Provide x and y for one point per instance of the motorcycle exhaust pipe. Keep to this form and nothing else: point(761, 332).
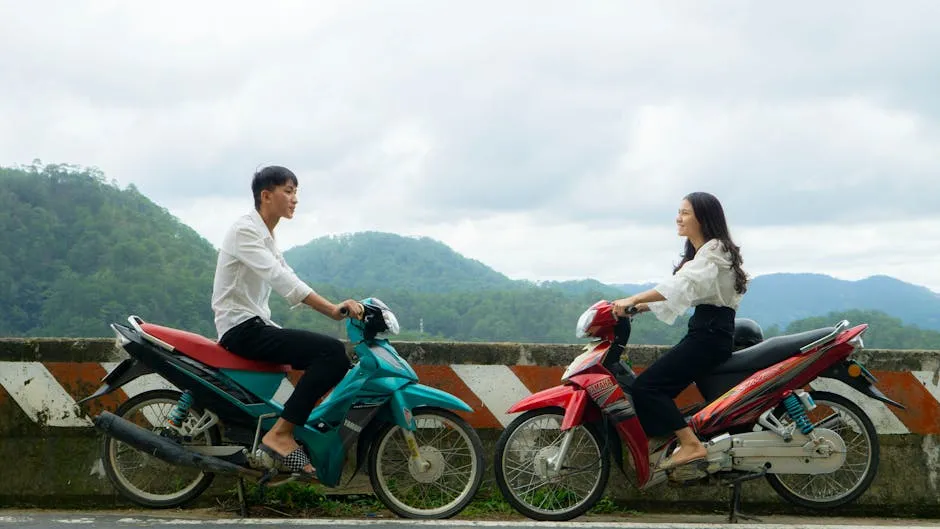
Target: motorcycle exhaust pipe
point(165, 449)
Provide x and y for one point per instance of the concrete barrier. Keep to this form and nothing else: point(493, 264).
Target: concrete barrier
point(50, 453)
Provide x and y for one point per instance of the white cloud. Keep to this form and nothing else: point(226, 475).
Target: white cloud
point(546, 139)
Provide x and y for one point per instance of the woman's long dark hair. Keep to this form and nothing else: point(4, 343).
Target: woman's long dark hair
point(711, 217)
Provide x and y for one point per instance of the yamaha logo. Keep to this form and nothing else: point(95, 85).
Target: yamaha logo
point(601, 385)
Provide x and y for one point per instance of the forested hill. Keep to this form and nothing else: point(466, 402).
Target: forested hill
point(372, 260)
point(77, 253)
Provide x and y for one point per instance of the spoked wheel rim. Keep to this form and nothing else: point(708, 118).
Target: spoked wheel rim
point(837, 485)
point(146, 476)
point(452, 473)
point(530, 476)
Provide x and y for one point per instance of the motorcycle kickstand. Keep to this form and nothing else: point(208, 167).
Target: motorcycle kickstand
point(735, 508)
point(242, 499)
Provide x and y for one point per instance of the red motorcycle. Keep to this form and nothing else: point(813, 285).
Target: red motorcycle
point(817, 449)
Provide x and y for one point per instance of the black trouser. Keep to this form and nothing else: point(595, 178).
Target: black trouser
point(322, 358)
point(707, 345)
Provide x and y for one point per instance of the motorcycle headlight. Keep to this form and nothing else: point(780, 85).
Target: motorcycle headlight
point(585, 322)
point(391, 322)
point(388, 317)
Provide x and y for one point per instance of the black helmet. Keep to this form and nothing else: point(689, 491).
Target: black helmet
point(746, 333)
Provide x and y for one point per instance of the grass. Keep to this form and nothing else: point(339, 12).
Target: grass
point(489, 503)
point(298, 500)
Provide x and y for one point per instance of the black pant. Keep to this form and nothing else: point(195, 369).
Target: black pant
point(707, 345)
point(323, 358)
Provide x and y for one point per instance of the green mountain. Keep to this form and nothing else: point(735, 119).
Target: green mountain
point(383, 262)
point(779, 299)
point(883, 331)
point(77, 253)
point(373, 260)
point(593, 286)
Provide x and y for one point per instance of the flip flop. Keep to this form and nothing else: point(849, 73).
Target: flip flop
point(669, 464)
point(293, 462)
point(688, 472)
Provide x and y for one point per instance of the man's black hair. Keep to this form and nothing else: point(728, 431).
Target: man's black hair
point(268, 178)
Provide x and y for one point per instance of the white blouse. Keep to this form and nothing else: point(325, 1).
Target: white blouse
point(708, 279)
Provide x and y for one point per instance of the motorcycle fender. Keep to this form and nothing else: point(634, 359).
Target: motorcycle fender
point(551, 397)
point(864, 382)
point(412, 396)
point(415, 395)
point(574, 411)
point(570, 398)
point(128, 370)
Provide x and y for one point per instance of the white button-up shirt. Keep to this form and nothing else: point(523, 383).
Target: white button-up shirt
point(248, 267)
point(707, 279)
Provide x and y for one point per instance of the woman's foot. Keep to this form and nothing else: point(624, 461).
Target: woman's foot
point(283, 443)
point(685, 454)
point(690, 449)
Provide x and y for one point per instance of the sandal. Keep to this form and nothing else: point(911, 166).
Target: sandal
point(293, 462)
point(669, 464)
point(689, 471)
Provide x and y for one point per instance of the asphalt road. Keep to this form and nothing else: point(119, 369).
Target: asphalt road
point(72, 520)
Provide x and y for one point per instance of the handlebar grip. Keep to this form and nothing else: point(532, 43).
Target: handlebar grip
point(344, 311)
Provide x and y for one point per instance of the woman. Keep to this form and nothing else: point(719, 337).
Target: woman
point(709, 277)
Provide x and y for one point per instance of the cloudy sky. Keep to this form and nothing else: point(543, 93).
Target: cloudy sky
point(546, 139)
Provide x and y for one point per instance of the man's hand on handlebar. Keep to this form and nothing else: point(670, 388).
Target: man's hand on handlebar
point(350, 308)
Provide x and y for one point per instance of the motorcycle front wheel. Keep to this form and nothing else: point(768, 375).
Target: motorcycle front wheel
point(445, 484)
point(526, 474)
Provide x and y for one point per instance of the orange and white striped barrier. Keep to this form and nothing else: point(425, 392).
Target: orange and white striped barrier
point(46, 392)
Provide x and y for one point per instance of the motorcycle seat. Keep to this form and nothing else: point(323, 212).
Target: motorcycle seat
point(208, 351)
point(770, 351)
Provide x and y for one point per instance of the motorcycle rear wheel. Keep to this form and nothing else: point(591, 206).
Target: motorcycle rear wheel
point(151, 482)
point(845, 485)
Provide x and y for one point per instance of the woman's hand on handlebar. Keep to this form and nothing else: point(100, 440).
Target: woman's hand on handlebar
point(628, 307)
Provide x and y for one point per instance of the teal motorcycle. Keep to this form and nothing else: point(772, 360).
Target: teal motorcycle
point(163, 447)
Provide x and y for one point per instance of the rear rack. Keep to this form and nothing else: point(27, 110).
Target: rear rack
point(839, 328)
point(135, 322)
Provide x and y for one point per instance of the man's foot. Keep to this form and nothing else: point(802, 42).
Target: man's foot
point(284, 445)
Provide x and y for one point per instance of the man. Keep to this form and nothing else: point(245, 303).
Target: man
point(249, 266)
